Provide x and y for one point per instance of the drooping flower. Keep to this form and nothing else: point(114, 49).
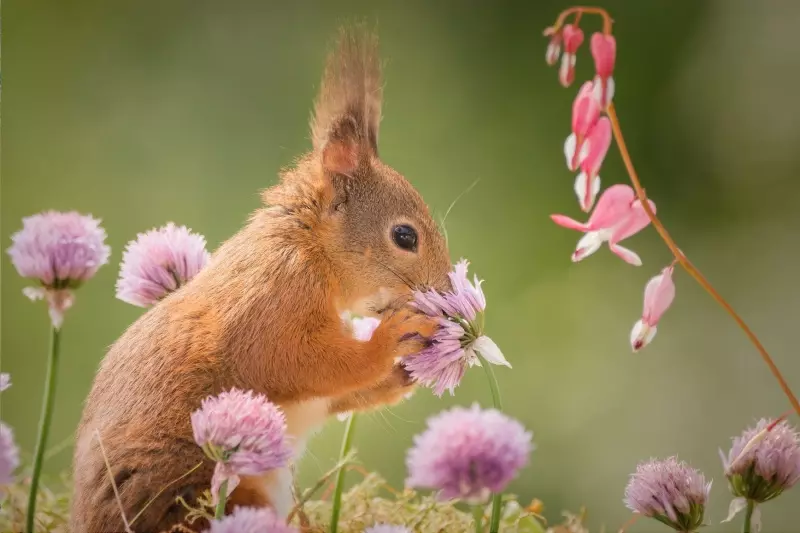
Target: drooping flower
point(468, 453)
point(9, 455)
point(658, 296)
point(5, 381)
point(244, 433)
point(604, 51)
point(762, 463)
point(61, 251)
point(250, 520)
point(387, 528)
point(670, 491)
point(617, 216)
point(460, 337)
point(573, 39)
point(587, 184)
point(553, 47)
point(158, 262)
point(585, 114)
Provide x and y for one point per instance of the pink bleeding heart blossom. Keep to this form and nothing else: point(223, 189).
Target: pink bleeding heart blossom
point(62, 251)
point(158, 262)
point(658, 296)
point(468, 453)
point(617, 216)
point(604, 51)
point(460, 337)
point(585, 114)
point(553, 47)
point(250, 520)
point(587, 183)
point(244, 433)
point(573, 38)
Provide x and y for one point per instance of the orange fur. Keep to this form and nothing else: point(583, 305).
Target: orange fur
point(265, 315)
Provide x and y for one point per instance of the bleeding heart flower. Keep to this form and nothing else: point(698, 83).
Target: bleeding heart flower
point(553, 47)
point(573, 38)
point(658, 296)
point(587, 184)
point(618, 215)
point(604, 51)
point(585, 113)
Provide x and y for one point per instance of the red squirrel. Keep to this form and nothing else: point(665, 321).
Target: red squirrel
point(341, 232)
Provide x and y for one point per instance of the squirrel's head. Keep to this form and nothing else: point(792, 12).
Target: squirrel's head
point(371, 223)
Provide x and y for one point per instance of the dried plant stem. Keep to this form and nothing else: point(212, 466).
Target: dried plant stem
point(45, 420)
point(688, 266)
point(497, 504)
point(347, 443)
point(662, 231)
point(309, 492)
point(113, 483)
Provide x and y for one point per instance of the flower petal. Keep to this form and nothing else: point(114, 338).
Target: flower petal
point(737, 505)
point(755, 520)
point(629, 256)
point(586, 191)
point(222, 473)
point(641, 335)
point(588, 245)
point(490, 351)
point(570, 145)
point(570, 223)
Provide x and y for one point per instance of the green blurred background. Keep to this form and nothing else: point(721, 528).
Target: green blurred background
point(145, 112)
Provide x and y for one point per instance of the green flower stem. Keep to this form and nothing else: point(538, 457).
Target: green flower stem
point(477, 515)
point(223, 499)
point(497, 504)
point(748, 516)
point(45, 419)
point(347, 442)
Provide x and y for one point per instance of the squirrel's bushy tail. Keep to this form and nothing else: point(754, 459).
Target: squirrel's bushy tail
point(351, 88)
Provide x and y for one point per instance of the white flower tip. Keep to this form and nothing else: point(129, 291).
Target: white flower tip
point(641, 335)
point(570, 145)
point(490, 351)
point(737, 505)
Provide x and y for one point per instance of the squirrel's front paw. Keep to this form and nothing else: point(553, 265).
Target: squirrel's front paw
point(409, 330)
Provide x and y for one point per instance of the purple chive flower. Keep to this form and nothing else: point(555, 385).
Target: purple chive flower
point(158, 262)
point(387, 528)
point(61, 250)
point(763, 462)
point(250, 520)
point(468, 453)
point(9, 455)
point(459, 340)
point(5, 381)
point(244, 433)
point(670, 491)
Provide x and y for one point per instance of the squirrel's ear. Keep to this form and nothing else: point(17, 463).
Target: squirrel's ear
point(343, 148)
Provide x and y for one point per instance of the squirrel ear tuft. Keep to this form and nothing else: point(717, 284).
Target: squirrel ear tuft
point(343, 149)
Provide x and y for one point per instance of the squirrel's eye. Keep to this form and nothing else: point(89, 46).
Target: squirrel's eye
point(405, 237)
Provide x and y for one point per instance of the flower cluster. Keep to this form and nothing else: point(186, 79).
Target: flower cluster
point(158, 262)
point(619, 214)
point(244, 433)
point(250, 520)
point(468, 453)
point(61, 251)
point(762, 463)
point(670, 491)
point(460, 338)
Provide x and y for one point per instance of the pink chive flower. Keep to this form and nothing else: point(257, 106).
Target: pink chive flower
point(5, 381)
point(250, 520)
point(604, 51)
point(658, 296)
point(9, 455)
point(670, 491)
point(61, 250)
point(617, 216)
point(459, 339)
point(587, 184)
point(158, 262)
point(244, 433)
point(762, 463)
point(553, 47)
point(387, 528)
point(585, 113)
point(468, 453)
point(573, 38)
